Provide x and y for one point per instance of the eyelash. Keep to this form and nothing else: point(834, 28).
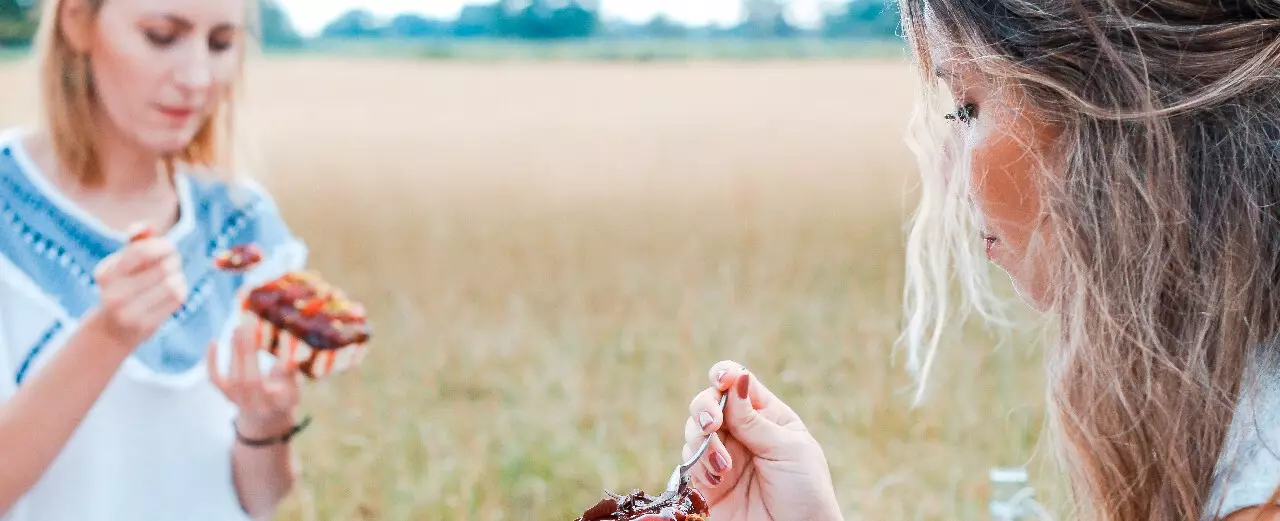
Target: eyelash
point(964, 113)
point(165, 40)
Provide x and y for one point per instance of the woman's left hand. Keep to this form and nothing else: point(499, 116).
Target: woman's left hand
point(266, 402)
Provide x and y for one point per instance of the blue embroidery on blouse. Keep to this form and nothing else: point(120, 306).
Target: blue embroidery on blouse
point(58, 252)
point(35, 350)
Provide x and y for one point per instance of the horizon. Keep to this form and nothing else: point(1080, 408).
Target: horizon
point(310, 16)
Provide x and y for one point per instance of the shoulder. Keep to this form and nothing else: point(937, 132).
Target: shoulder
point(229, 204)
point(1249, 469)
point(242, 211)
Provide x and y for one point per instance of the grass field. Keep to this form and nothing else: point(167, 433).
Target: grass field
point(554, 255)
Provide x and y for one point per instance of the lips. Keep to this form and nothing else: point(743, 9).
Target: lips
point(990, 241)
point(177, 112)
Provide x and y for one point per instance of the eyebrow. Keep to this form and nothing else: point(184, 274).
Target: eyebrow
point(186, 24)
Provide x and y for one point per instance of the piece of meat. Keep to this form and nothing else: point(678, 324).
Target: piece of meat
point(300, 317)
point(238, 258)
point(686, 505)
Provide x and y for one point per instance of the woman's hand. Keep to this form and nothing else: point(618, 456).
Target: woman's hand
point(141, 286)
point(763, 464)
point(266, 402)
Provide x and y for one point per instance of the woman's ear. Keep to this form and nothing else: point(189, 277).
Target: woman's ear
point(74, 20)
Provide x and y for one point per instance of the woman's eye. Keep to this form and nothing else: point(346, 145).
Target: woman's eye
point(161, 38)
point(217, 44)
point(964, 113)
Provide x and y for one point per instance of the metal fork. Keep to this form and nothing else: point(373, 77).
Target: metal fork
point(681, 473)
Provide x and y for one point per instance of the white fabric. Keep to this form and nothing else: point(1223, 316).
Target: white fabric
point(1249, 470)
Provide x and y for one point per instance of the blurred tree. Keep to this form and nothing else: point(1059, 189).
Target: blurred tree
point(415, 26)
point(765, 19)
point(662, 26)
point(480, 20)
point(356, 23)
point(17, 23)
point(554, 19)
point(865, 19)
point(277, 28)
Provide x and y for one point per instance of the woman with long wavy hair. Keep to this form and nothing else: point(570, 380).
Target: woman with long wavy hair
point(1120, 160)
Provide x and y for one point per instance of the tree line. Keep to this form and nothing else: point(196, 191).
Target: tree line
point(532, 20)
point(552, 19)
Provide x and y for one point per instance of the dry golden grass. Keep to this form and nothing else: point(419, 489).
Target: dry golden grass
point(556, 253)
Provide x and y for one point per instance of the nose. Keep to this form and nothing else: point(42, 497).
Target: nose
point(195, 69)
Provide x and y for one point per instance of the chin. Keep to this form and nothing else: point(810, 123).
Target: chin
point(1029, 298)
point(1033, 295)
point(168, 142)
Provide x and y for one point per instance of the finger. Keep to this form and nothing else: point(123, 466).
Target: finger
point(247, 361)
point(281, 388)
point(211, 363)
point(701, 480)
point(142, 310)
point(761, 435)
point(176, 285)
point(105, 270)
point(235, 371)
point(717, 461)
point(171, 264)
point(143, 255)
point(705, 411)
point(724, 373)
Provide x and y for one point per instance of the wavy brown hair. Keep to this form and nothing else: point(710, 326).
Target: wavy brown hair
point(1163, 213)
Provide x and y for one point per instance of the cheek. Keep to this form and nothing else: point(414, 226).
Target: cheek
point(126, 73)
point(1007, 193)
point(1004, 186)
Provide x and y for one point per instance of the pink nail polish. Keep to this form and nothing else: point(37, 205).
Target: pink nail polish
point(720, 376)
point(704, 420)
point(713, 479)
point(718, 462)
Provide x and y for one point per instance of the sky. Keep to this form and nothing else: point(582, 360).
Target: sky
point(311, 15)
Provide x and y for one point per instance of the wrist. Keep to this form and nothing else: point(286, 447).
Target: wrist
point(262, 427)
point(112, 338)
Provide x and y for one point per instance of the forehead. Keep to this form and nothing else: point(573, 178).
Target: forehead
point(947, 60)
point(944, 56)
point(210, 12)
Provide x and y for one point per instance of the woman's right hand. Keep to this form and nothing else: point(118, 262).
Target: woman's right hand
point(762, 465)
point(141, 285)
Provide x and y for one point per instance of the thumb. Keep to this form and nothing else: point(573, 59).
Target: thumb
point(760, 435)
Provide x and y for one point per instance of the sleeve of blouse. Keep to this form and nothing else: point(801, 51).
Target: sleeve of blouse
point(1249, 470)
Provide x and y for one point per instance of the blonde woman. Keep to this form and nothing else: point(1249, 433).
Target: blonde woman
point(1122, 160)
point(110, 211)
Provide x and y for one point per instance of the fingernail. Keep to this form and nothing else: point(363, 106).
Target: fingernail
point(704, 419)
point(743, 382)
point(718, 462)
point(714, 479)
point(720, 375)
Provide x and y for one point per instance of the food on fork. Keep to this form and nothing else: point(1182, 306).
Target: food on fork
point(140, 232)
point(685, 505)
point(301, 318)
point(239, 258)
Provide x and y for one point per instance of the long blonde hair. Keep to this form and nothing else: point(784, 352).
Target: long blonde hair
point(67, 100)
point(1164, 217)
